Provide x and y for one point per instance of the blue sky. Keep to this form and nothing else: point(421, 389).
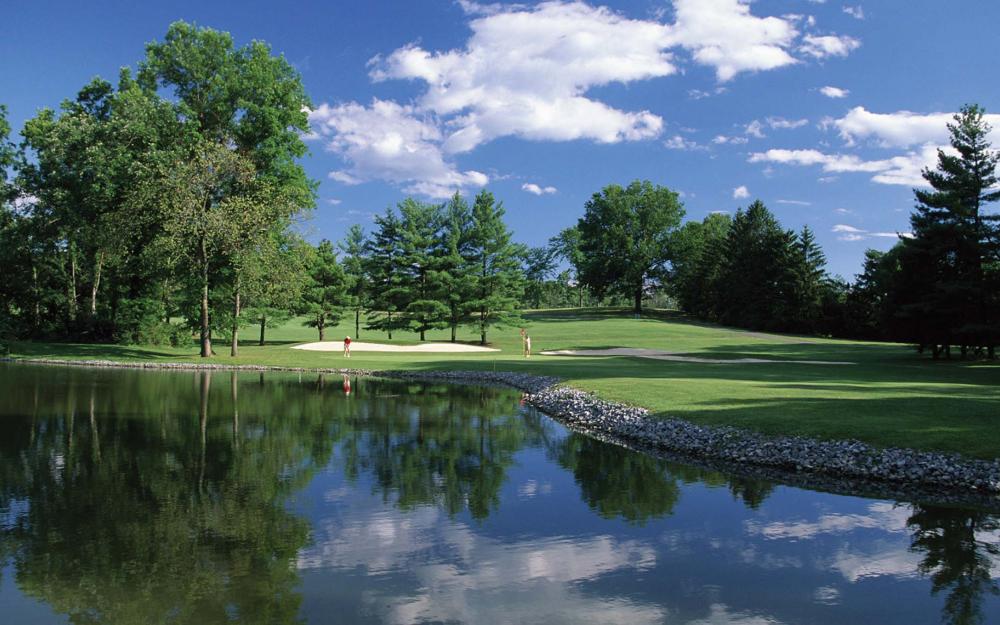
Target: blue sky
point(825, 110)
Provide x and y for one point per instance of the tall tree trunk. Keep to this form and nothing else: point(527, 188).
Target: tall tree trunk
point(389, 312)
point(482, 327)
point(206, 336)
point(321, 325)
point(263, 324)
point(98, 264)
point(454, 327)
point(234, 350)
point(579, 290)
point(357, 323)
point(638, 301)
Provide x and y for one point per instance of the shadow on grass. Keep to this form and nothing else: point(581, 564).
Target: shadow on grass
point(102, 351)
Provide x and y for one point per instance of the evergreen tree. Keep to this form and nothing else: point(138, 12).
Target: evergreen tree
point(699, 255)
point(455, 265)
point(755, 280)
point(951, 262)
point(355, 262)
point(421, 287)
point(497, 280)
point(809, 283)
point(385, 271)
point(325, 296)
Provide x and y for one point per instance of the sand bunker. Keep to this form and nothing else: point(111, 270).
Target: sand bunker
point(427, 348)
point(661, 355)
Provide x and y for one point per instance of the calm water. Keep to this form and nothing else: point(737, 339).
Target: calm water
point(177, 497)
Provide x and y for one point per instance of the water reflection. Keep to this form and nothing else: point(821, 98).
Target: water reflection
point(216, 497)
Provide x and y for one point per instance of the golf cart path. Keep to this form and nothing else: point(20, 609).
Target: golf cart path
point(358, 346)
point(662, 355)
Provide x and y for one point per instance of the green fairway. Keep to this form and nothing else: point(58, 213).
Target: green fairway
point(890, 397)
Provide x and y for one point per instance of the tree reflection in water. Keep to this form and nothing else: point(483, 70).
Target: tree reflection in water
point(959, 547)
point(166, 498)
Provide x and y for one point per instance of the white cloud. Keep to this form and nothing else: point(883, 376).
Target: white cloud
point(851, 233)
point(823, 46)
point(755, 129)
point(334, 201)
point(902, 170)
point(527, 72)
point(392, 142)
point(902, 128)
point(534, 189)
point(795, 202)
point(725, 35)
point(782, 123)
point(741, 192)
point(834, 92)
point(723, 139)
point(719, 614)
point(857, 12)
point(524, 72)
point(677, 142)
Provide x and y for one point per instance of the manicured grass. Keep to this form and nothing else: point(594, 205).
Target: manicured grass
point(892, 396)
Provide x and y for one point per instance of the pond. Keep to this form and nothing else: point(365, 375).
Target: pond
point(218, 497)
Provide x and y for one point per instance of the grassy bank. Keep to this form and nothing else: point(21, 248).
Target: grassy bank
point(890, 397)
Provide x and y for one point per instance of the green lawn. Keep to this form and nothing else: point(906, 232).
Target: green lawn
point(891, 396)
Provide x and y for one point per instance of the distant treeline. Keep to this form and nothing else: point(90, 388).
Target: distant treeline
point(168, 204)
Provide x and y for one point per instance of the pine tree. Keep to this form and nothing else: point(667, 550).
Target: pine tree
point(355, 260)
point(755, 279)
point(808, 266)
point(325, 296)
point(455, 267)
point(421, 286)
point(384, 260)
point(951, 261)
point(497, 281)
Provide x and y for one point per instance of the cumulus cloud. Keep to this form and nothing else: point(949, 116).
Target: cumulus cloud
point(834, 92)
point(528, 72)
point(823, 46)
point(535, 189)
point(902, 170)
point(677, 142)
point(902, 128)
point(782, 123)
point(724, 139)
point(525, 72)
point(851, 233)
point(857, 12)
point(741, 192)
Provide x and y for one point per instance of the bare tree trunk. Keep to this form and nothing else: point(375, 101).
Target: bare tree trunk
point(321, 326)
point(98, 264)
point(453, 330)
point(263, 324)
point(638, 301)
point(357, 323)
point(482, 327)
point(206, 336)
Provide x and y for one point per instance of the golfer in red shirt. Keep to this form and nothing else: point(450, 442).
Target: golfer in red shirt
point(347, 347)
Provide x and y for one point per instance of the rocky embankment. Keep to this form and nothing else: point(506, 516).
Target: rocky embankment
point(836, 464)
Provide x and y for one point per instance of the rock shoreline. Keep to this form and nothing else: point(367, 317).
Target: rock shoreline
point(843, 466)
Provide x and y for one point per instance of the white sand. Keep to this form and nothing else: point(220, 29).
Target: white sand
point(358, 346)
point(661, 355)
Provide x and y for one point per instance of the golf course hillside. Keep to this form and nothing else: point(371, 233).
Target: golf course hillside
point(880, 393)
